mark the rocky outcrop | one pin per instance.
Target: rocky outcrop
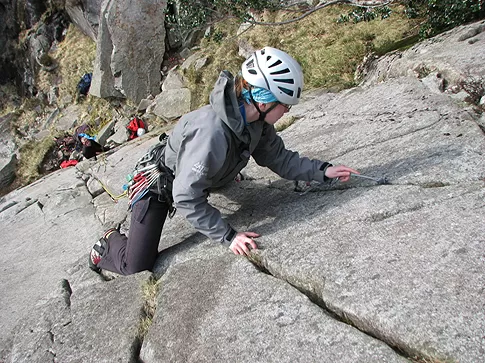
(8, 157)
(449, 58)
(124, 68)
(21, 59)
(85, 14)
(353, 272)
(8, 30)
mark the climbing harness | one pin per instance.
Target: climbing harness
(151, 174)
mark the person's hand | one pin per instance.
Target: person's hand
(341, 172)
(240, 243)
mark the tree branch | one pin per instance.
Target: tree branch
(318, 7)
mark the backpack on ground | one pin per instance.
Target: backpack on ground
(135, 124)
(84, 84)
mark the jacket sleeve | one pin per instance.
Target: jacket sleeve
(201, 155)
(271, 152)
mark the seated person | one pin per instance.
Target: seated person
(90, 148)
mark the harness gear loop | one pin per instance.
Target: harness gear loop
(152, 175)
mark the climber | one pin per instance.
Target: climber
(90, 148)
(208, 148)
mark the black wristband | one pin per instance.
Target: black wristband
(323, 168)
(229, 236)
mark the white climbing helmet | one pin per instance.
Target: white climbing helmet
(276, 71)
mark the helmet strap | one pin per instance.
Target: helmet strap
(262, 115)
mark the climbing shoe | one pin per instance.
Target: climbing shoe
(96, 254)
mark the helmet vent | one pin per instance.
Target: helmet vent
(283, 71)
(299, 93)
(252, 71)
(289, 92)
(277, 63)
(289, 81)
(250, 64)
(268, 58)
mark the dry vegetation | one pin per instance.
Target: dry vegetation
(329, 52)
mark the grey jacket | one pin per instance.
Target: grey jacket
(210, 146)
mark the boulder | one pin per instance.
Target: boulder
(143, 105)
(200, 63)
(123, 68)
(173, 81)
(119, 137)
(188, 62)
(105, 132)
(171, 104)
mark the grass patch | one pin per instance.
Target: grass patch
(149, 292)
(285, 123)
(329, 52)
(222, 55)
(32, 154)
(75, 56)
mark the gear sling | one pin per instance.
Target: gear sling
(152, 175)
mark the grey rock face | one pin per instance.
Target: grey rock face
(52, 225)
(171, 103)
(124, 68)
(8, 158)
(173, 81)
(222, 307)
(60, 328)
(446, 54)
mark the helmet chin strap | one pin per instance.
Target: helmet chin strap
(262, 114)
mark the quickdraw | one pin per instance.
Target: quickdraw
(151, 174)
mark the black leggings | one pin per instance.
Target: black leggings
(138, 251)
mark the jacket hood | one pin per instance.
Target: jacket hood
(226, 105)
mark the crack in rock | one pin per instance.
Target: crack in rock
(66, 292)
(150, 292)
(400, 347)
(8, 205)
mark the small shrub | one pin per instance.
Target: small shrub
(365, 14)
(184, 15)
(475, 87)
(442, 15)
